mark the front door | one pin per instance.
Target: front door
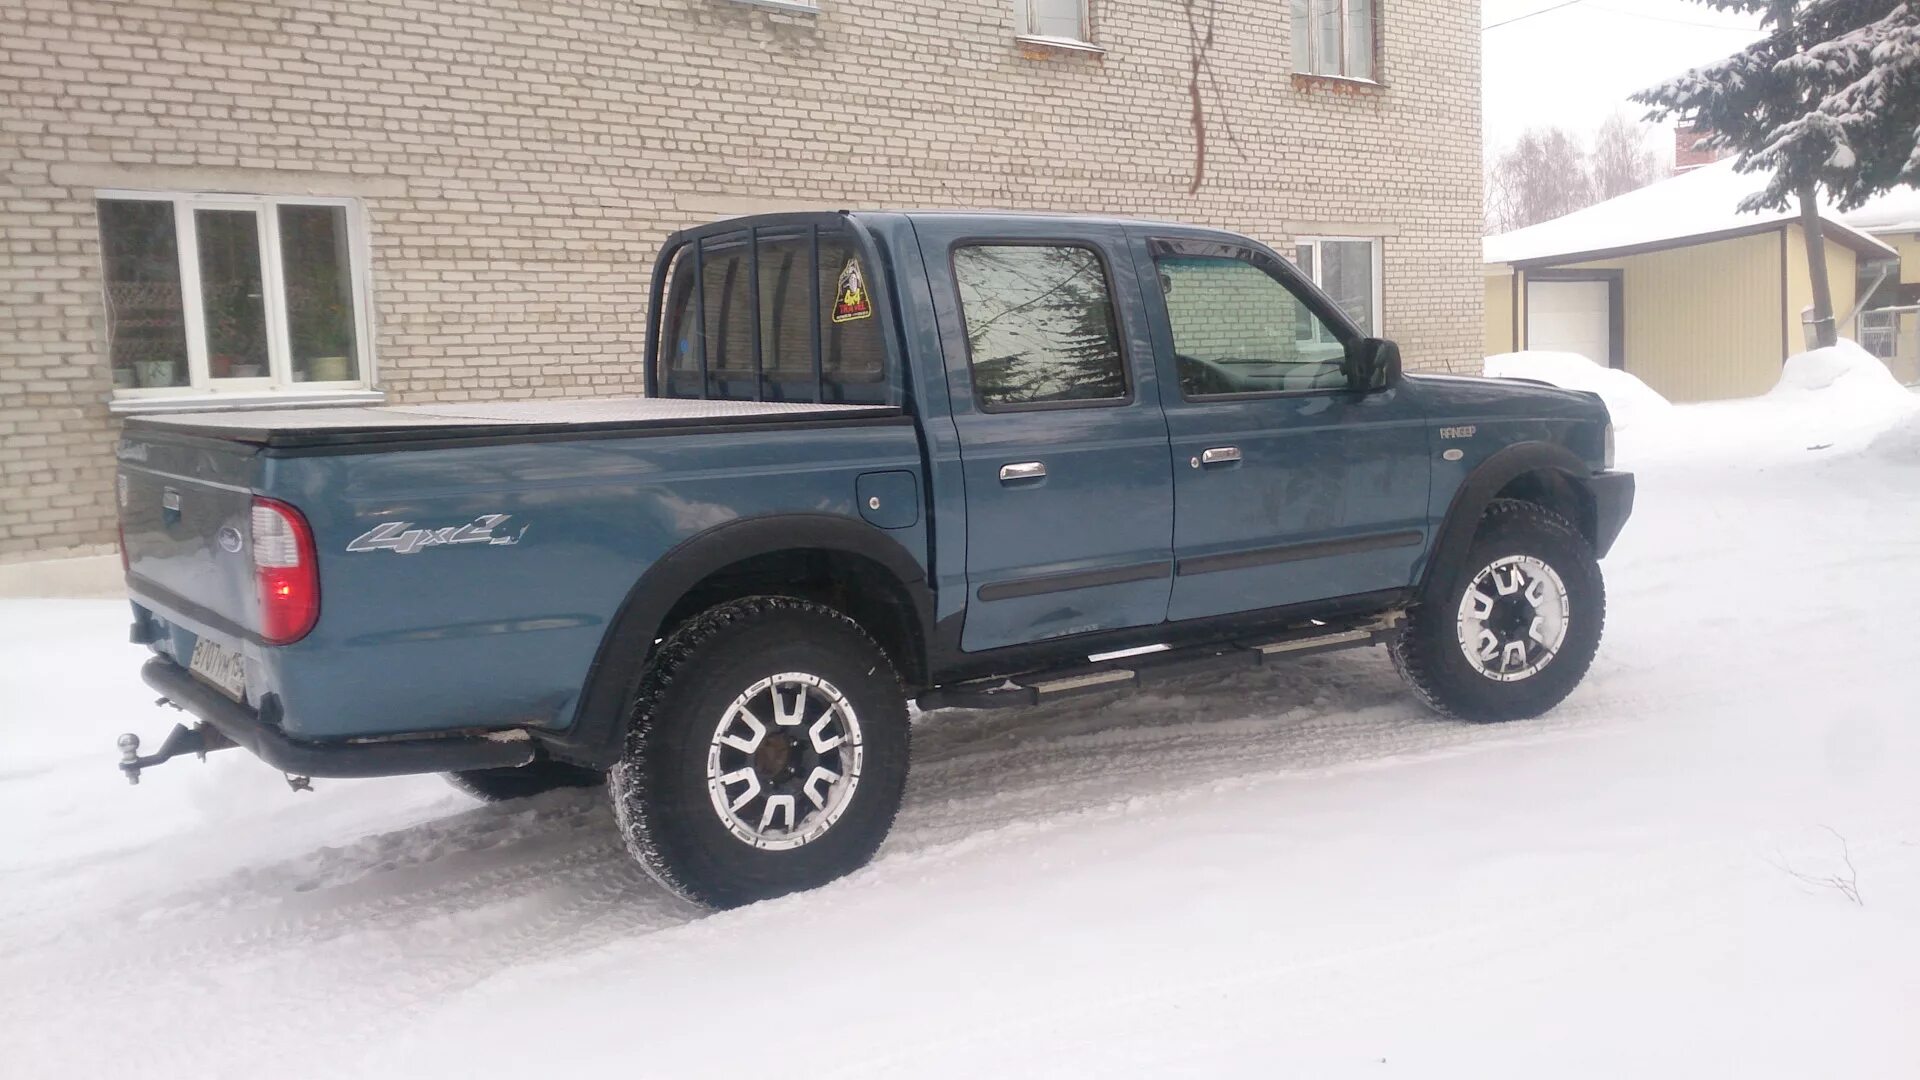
(1289, 487)
(1063, 445)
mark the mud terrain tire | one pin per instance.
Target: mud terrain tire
(766, 753)
(1504, 656)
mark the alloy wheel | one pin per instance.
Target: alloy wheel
(1513, 618)
(784, 761)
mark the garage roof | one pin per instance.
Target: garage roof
(1896, 211)
(1694, 207)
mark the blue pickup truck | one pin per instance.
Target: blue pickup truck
(944, 458)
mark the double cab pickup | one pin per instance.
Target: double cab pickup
(944, 458)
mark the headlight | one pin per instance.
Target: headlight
(1606, 448)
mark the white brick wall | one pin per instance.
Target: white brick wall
(520, 160)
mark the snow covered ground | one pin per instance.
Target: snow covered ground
(1296, 872)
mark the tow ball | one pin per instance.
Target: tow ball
(198, 740)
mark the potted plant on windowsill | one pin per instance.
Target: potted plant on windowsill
(323, 337)
(161, 372)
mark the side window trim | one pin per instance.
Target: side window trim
(1121, 349)
(1273, 265)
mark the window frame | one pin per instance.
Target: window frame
(1303, 44)
(278, 383)
(1378, 293)
(1023, 23)
(1113, 299)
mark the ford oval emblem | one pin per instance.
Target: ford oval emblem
(230, 539)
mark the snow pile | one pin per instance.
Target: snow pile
(1629, 401)
(1844, 389)
(1829, 402)
(1846, 363)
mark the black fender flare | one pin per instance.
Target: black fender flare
(598, 731)
(1481, 485)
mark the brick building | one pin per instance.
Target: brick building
(218, 202)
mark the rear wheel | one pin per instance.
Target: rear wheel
(767, 754)
(499, 785)
(1511, 631)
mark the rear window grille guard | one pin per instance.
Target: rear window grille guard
(701, 242)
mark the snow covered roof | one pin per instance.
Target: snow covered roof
(1896, 211)
(1697, 205)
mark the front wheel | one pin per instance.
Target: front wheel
(767, 753)
(1510, 633)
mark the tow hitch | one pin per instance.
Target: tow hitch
(199, 740)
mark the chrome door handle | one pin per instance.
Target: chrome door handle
(1022, 470)
(1220, 455)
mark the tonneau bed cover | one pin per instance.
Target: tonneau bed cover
(349, 426)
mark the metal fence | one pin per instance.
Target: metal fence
(1893, 335)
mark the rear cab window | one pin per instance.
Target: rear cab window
(1041, 327)
(808, 290)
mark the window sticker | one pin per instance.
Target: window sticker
(851, 301)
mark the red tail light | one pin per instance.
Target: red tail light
(286, 571)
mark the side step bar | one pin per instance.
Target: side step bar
(1150, 668)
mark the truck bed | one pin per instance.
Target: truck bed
(349, 426)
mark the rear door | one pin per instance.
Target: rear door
(1063, 445)
(1289, 487)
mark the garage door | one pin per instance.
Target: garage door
(1571, 316)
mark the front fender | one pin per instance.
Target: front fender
(1477, 491)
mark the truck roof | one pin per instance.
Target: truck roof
(1041, 215)
(874, 215)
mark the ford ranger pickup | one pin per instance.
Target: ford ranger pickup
(942, 458)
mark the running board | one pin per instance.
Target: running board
(1147, 669)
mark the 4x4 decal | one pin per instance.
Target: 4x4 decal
(401, 538)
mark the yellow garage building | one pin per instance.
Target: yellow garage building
(1673, 284)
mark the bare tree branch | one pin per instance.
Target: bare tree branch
(1846, 884)
(1196, 60)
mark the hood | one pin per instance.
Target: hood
(1482, 396)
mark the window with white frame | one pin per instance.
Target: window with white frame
(1053, 20)
(1347, 268)
(217, 294)
(1334, 37)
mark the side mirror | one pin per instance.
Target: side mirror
(1373, 364)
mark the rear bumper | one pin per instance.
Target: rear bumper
(1612, 505)
(397, 756)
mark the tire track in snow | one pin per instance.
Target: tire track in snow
(361, 937)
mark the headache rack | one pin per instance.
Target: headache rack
(747, 235)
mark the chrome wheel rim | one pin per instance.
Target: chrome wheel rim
(1513, 619)
(784, 761)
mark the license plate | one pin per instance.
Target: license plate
(220, 666)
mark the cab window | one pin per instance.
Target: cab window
(1041, 330)
(1239, 330)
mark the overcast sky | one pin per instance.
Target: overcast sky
(1575, 65)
